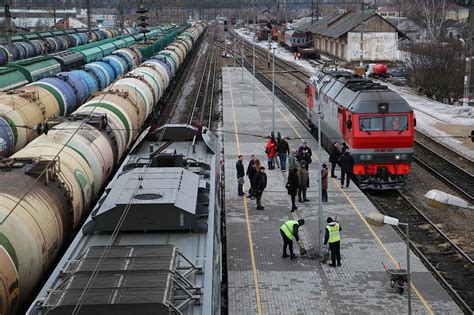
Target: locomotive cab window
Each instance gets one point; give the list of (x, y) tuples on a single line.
[(396, 123), (373, 123)]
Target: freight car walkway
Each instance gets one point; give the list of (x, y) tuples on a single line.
[(260, 281)]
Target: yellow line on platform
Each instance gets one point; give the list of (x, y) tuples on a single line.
[(359, 213), (246, 212)]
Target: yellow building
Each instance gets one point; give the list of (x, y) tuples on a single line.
[(456, 12), (453, 12)]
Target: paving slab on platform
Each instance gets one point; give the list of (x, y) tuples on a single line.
[(260, 281)]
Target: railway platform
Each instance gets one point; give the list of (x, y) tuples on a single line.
[(260, 281)]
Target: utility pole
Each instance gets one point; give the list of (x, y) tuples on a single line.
[(121, 19), (8, 23), (468, 52), (89, 13)]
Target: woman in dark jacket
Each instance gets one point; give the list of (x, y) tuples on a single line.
[(292, 187)]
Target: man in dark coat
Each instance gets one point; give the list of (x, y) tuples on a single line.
[(292, 187), (239, 166), (324, 180), (304, 154), (344, 148), (251, 173), (334, 156), (347, 166), (283, 149), (260, 183)]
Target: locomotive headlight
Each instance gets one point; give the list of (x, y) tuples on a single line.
[(397, 157), (362, 157), (368, 157), (404, 156)]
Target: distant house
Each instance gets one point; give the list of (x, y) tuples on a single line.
[(69, 22), (453, 12), (389, 11), (456, 12), (340, 35)]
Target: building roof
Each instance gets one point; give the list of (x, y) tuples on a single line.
[(455, 7), (387, 8), (337, 25)]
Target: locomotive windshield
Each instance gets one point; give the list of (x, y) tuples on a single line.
[(379, 123)]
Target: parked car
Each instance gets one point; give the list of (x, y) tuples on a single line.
[(398, 76), (398, 72)]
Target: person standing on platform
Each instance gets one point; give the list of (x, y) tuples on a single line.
[(292, 160), (251, 173), (283, 149), (239, 166), (292, 187), (299, 55), (303, 181), (347, 166), (304, 154), (288, 231), (333, 237), (344, 148), (260, 183), (270, 152), (276, 160), (334, 156), (324, 180)]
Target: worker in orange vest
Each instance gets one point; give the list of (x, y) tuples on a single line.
[(299, 55), (294, 54)]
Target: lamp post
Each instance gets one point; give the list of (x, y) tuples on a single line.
[(320, 197), (467, 70), (253, 66), (378, 219), (441, 200), (274, 47)]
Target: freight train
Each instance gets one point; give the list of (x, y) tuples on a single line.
[(24, 111), (41, 43), (47, 188), (16, 74), (376, 123), (164, 208)]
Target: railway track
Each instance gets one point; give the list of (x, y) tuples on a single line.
[(459, 179), (203, 105), (451, 266)]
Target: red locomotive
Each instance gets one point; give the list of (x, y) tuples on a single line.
[(375, 122)]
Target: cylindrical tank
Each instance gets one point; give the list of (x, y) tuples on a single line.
[(80, 88), (151, 77), (139, 86), (23, 111), (34, 231), (106, 69), (21, 51), (62, 91), (39, 46), (117, 63), (88, 79)]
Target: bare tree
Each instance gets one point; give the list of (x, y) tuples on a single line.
[(431, 15), (436, 69)]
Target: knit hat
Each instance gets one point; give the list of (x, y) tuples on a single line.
[(329, 220), (301, 222)]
